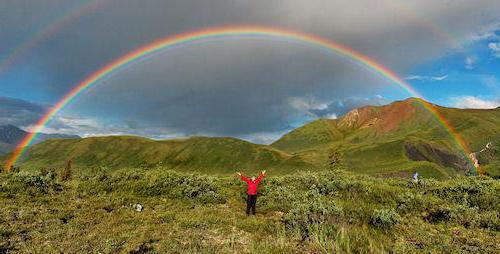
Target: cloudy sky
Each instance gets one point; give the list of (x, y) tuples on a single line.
[(252, 88)]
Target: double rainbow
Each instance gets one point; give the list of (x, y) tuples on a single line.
[(48, 31), (227, 32)]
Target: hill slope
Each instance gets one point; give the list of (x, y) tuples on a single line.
[(197, 153), (395, 139), (401, 136)]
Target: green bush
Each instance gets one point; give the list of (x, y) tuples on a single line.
[(385, 218), (171, 184), (314, 211), (32, 183), (279, 198), (410, 202), (490, 220)]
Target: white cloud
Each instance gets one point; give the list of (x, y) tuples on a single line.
[(439, 78), (331, 116), (473, 102), (307, 104), (427, 78), (469, 62), (487, 32), (415, 77), (313, 108), (495, 48)]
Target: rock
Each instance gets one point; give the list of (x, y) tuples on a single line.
[(138, 207)]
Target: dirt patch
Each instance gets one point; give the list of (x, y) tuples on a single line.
[(393, 116), (383, 119)]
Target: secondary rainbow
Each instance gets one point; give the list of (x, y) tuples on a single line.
[(227, 32), (43, 34)]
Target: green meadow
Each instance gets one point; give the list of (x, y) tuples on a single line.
[(326, 211), (333, 186)]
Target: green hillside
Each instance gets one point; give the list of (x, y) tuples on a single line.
[(396, 139), (400, 137), (222, 155), (317, 133)]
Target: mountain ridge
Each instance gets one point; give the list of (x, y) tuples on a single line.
[(399, 137), (406, 127)]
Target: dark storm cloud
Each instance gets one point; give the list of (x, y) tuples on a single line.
[(231, 87), (229, 92), (19, 112)]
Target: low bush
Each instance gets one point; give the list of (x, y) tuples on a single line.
[(32, 183), (171, 184), (312, 212), (385, 218)]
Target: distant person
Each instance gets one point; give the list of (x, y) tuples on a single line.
[(252, 185), (415, 177)]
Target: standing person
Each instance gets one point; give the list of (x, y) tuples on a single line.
[(252, 185), (415, 177)]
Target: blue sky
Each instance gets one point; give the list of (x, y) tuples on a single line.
[(473, 71), (254, 89)]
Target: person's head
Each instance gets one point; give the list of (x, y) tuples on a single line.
[(253, 178)]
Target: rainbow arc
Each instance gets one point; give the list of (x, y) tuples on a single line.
[(151, 49)]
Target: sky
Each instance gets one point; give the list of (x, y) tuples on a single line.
[(251, 88)]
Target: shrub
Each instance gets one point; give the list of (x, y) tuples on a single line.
[(465, 216), (33, 183), (280, 198), (438, 214), (490, 220), (67, 172), (409, 202), (312, 212), (385, 218), (171, 184)]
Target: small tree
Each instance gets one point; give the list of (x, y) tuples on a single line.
[(67, 173)]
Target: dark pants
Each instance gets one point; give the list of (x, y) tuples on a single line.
[(251, 202)]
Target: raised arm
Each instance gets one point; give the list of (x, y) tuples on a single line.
[(243, 178), (262, 174)]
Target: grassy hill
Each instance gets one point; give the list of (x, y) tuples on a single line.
[(394, 139), (220, 155), (400, 137)]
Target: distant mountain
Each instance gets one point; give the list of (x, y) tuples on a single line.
[(394, 139), (223, 155), (401, 136), (11, 135)]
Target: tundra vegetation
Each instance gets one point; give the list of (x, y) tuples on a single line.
[(321, 211)]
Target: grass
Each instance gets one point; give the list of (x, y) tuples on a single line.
[(309, 212), (212, 155)]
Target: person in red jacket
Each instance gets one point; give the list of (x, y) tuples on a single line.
[(252, 185)]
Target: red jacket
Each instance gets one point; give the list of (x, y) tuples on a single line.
[(252, 185)]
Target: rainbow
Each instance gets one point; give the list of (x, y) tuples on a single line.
[(49, 30), (405, 11), (227, 32)]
